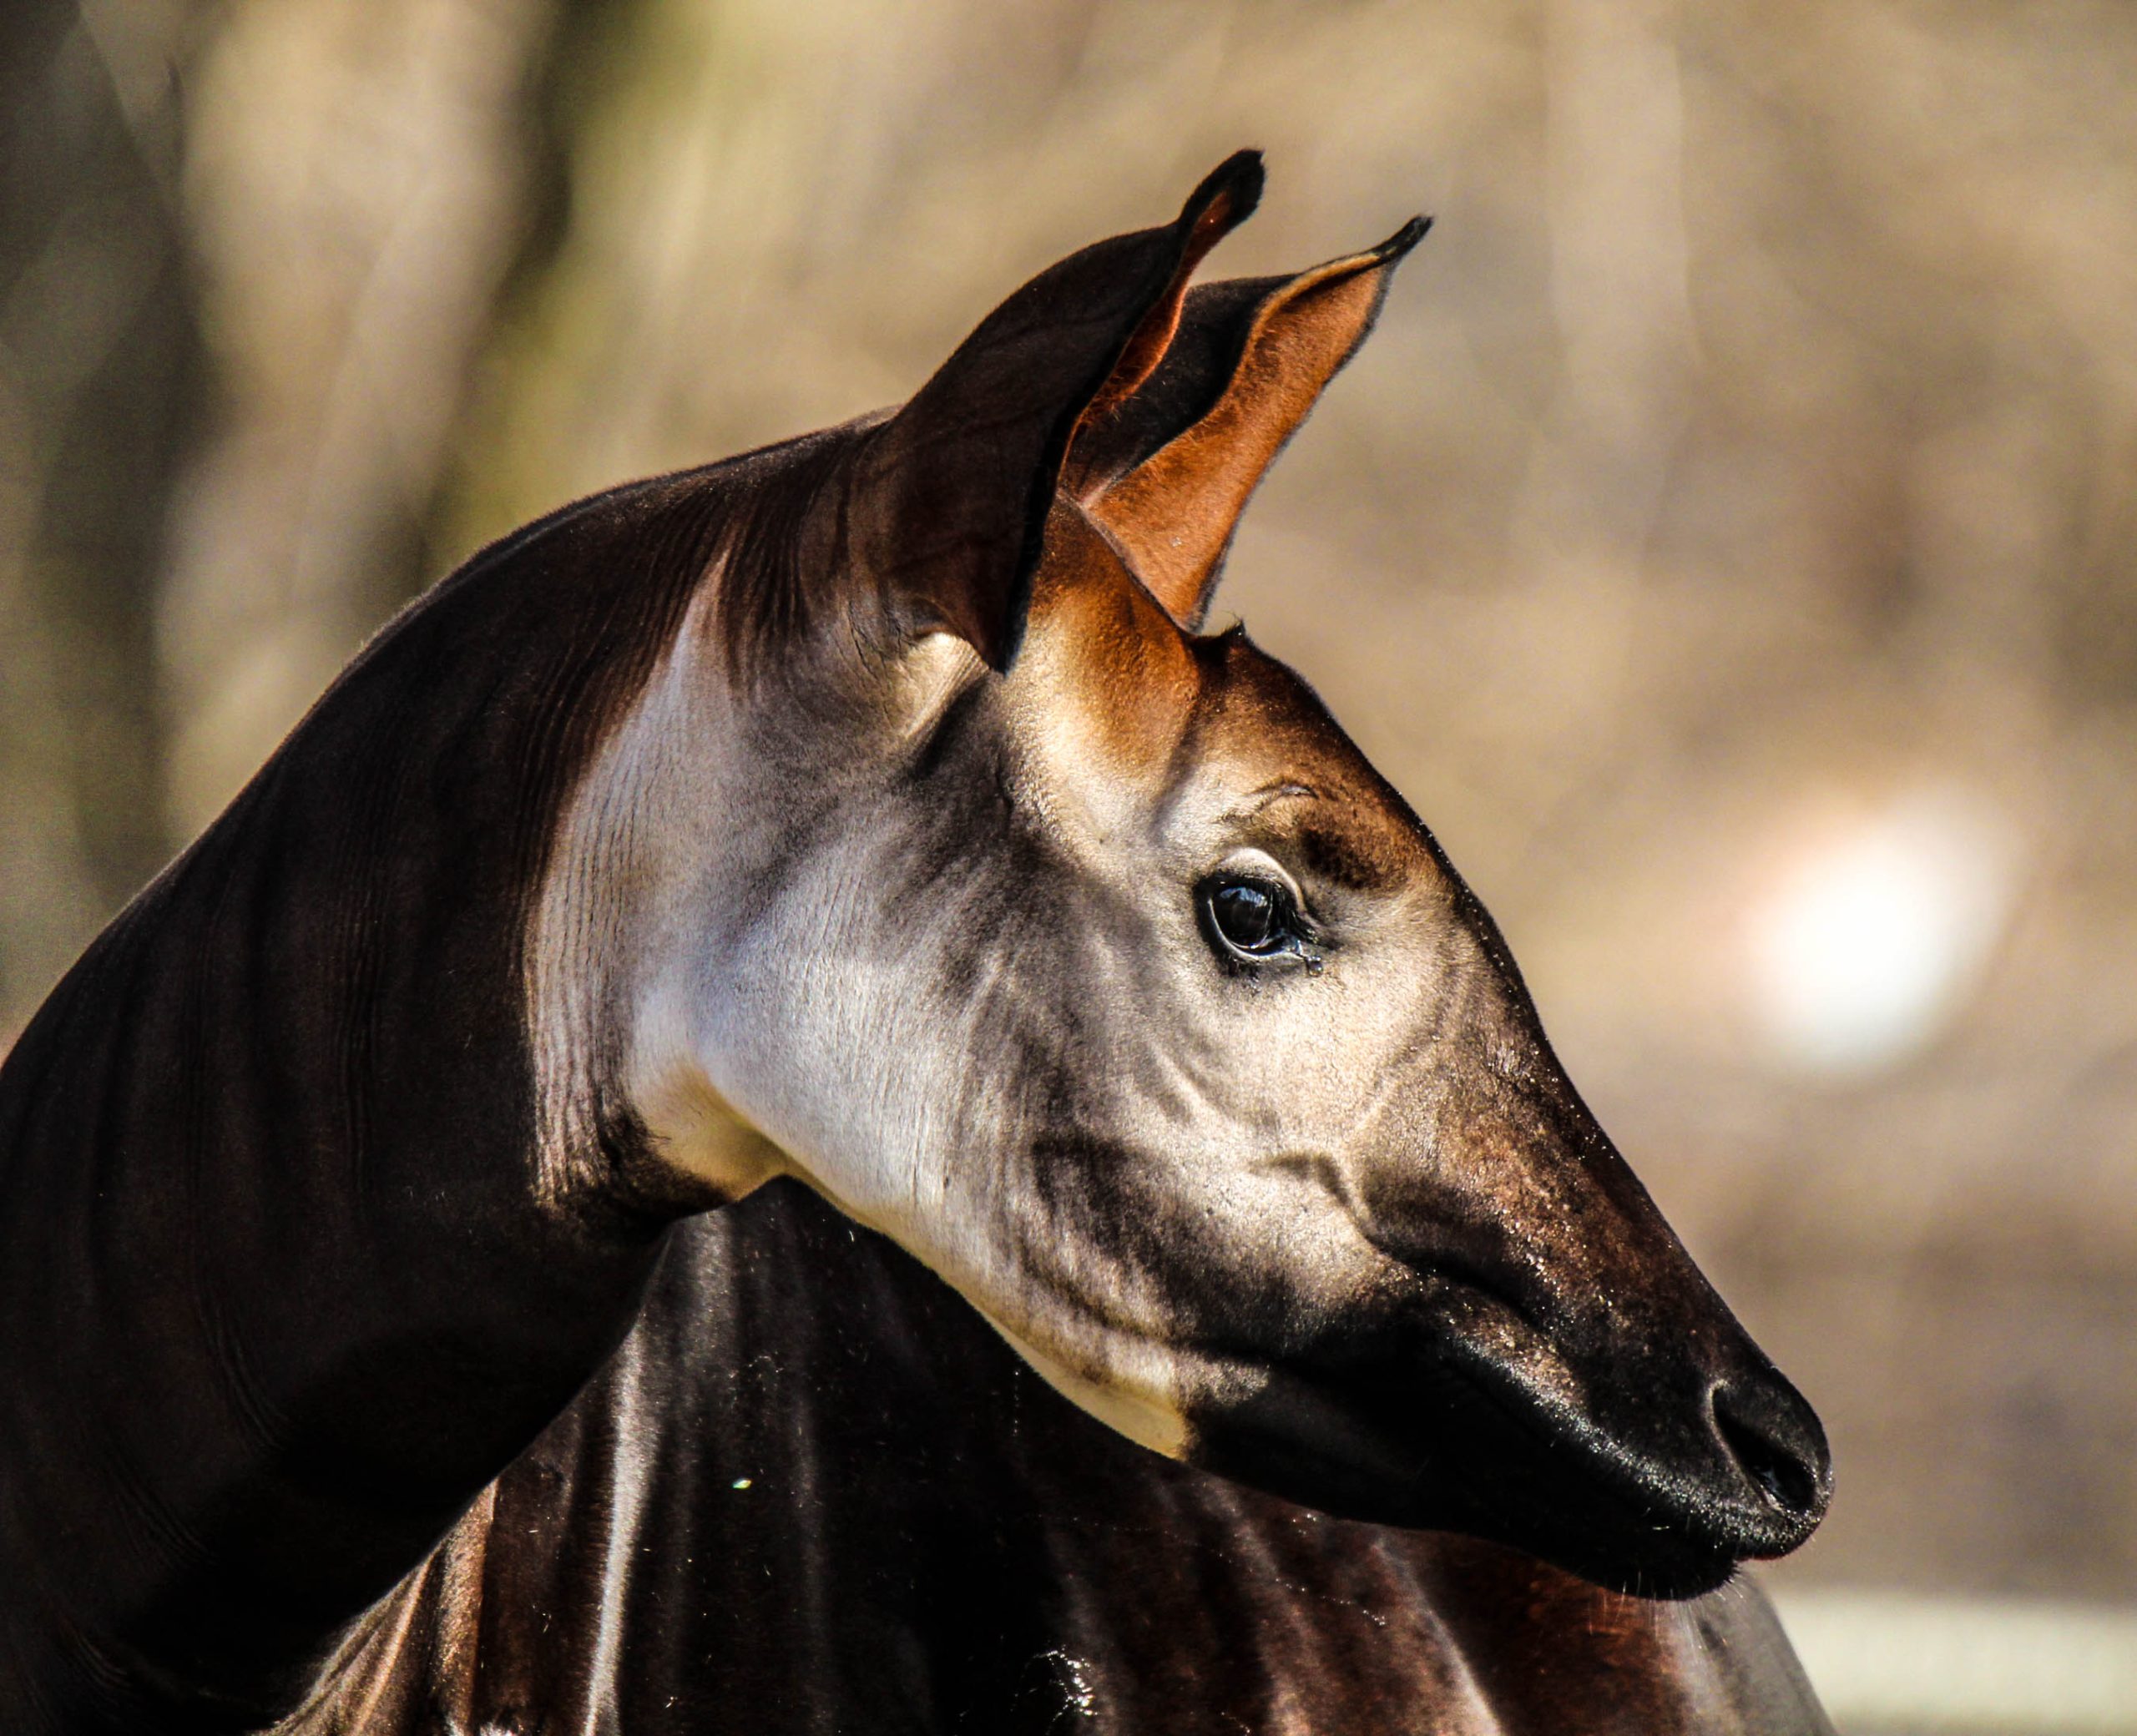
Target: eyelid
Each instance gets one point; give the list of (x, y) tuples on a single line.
[(1248, 863)]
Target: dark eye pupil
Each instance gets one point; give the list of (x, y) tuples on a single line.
[(1245, 914)]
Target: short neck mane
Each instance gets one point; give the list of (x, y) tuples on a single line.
[(282, 1292)]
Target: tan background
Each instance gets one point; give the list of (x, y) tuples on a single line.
[(1728, 541)]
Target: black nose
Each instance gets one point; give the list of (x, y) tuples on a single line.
[(1775, 1441)]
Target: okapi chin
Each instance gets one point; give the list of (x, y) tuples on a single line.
[(870, 809)]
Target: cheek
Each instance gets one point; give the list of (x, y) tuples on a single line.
[(1307, 1060), (818, 1030), (1271, 1252)]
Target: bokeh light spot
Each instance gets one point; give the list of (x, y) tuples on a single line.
[(1870, 942)]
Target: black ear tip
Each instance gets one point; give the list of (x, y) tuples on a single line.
[(1237, 181), (1402, 241)]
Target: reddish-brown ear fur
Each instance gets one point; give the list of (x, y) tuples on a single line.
[(1171, 513), (1110, 652), (950, 502)]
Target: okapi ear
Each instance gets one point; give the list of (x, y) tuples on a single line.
[(958, 484), (1167, 471)]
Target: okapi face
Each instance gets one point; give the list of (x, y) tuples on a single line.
[(946, 865)]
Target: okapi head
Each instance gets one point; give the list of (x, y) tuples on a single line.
[(944, 863)]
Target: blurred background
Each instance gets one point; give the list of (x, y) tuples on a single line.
[(1729, 544)]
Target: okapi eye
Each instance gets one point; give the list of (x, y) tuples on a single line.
[(1245, 913), (1252, 920)]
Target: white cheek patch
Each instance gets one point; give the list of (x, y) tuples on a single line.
[(822, 1043), (612, 906), (792, 1043)]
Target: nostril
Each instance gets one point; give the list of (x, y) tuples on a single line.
[(1781, 1473)]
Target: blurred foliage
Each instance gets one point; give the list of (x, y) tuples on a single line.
[(1749, 450)]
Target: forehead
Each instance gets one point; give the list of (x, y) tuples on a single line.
[(1259, 739), (1133, 716)]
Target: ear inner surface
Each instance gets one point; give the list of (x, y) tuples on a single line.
[(1147, 348), (951, 501), (1208, 340), (1173, 513)]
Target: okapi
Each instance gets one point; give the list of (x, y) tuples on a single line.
[(868, 810)]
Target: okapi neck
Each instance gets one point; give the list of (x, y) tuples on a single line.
[(283, 1291)]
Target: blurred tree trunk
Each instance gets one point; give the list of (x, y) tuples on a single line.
[(360, 181), (100, 380), (250, 257)]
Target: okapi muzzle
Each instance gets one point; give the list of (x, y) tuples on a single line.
[(943, 861)]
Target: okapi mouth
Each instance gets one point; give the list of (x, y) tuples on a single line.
[(1642, 1483)]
